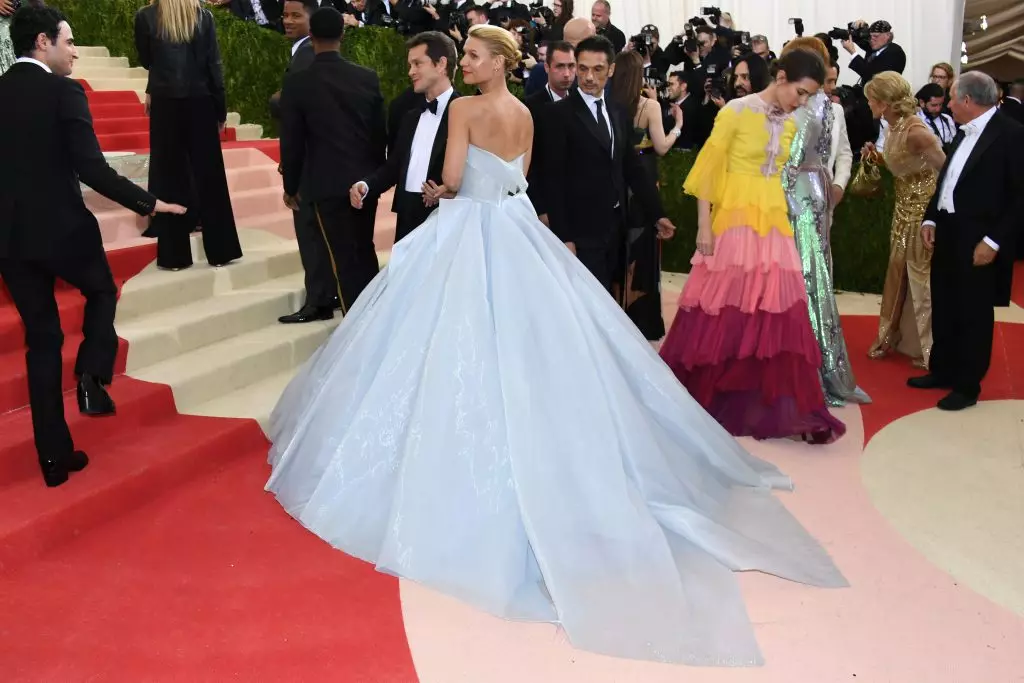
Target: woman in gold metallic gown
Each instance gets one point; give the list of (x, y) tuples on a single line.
[(913, 154)]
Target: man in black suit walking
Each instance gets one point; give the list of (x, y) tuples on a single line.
[(321, 291), (587, 148), (417, 155), (46, 231), (1013, 103), (971, 222), (333, 128), (560, 69)]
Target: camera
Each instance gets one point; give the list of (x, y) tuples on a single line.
[(654, 79), (539, 11), (714, 12), (798, 26), (851, 32), (716, 88), (741, 41), (688, 38), (643, 42)]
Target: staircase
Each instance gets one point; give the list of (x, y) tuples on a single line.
[(117, 93)]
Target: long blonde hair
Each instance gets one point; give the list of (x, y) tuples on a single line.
[(892, 89), (177, 20)]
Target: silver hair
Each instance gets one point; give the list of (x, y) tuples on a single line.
[(980, 87)]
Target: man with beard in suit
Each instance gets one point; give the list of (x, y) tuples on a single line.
[(588, 150), (971, 222), (333, 129), (46, 231), (417, 157), (321, 293), (560, 67)]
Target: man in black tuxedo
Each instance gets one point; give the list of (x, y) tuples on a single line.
[(46, 231), (601, 15), (333, 128), (560, 69), (417, 156), (587, 148), (971, 222), (1013, 103), (321, 290)]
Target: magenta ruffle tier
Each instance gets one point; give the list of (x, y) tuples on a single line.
[(742, 342)]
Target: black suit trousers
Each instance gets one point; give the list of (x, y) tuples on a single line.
[(411, 212), (962, 308), (31, 285), (348, 235), (606, 261), (187, 167), (321, 288)]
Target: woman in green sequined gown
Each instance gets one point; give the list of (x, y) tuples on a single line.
[(808, 183), (6, 46)]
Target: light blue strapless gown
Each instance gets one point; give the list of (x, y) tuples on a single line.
[(488, 422)]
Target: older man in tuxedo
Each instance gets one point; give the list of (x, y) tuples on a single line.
[(46, 231), (971, 222), (417, 155)]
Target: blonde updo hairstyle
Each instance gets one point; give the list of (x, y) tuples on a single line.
[(811, 44), (892, 89), (499, 42)]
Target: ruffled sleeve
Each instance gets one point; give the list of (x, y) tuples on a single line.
[(707, 177)]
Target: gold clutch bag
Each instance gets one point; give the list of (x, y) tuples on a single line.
[(867, 181)]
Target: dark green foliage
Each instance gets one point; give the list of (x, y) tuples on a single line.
[(255, 59), (860, 232)]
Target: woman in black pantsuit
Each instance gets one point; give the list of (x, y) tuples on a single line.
[(177, 42)]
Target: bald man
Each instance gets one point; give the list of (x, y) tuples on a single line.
[(577, 30)]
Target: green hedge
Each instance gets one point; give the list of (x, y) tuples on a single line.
[(255, 59)]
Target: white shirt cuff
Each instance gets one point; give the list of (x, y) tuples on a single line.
[(364, 189), (928, 224), (990, 243)]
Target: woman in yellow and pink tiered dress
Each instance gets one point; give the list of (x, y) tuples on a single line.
[(742, 342)]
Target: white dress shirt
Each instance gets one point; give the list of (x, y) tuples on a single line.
[(555, 97), (297, 44), (423, 144), (840, 158), (972, 133), (29, 60), (591, 103), (942, 125)]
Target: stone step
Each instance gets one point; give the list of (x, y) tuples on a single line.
[(84, 62), (92, 51), (255, 401), (213, 371), (248, 131), (100, 73)]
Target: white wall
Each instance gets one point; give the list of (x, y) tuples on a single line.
[(926, 29)]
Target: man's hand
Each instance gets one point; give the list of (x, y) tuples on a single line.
[(571, 246), (357, 193), (928, 236), (434, 193), (164, 207), (984, 254), (849, 46), (291, 201), (837, 195), (543, 218), (666, 230), (6, 8), (149, 100)]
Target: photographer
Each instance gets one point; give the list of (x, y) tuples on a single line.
[(553, 31), (601, 15), (523, 33), (881, 53), (647, 45), (504, 12), (677, 94), (932, 99)]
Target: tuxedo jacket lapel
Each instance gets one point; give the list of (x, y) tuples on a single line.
[(441, 141), (584, 114), (988, 136)]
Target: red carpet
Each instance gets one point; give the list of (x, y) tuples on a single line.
[(165, 559), (886, 380), (1017, 290), (120, 120)]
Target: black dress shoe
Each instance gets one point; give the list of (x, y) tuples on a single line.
[(307, 314), (957, 401), (55, 470), (927, 382), (336, 303), (93, 399)]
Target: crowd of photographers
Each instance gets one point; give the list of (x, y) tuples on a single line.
[(699, 70)]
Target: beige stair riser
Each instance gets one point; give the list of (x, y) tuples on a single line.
[(92, 73), (169, 289), (99, 63), (92, 51), (254, 203), (247, 365), (151, 345)]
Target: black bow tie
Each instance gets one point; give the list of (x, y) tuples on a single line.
[(430, 106)]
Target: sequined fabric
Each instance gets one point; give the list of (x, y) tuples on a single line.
[(6, 46), (907, 279), (808, 184)]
